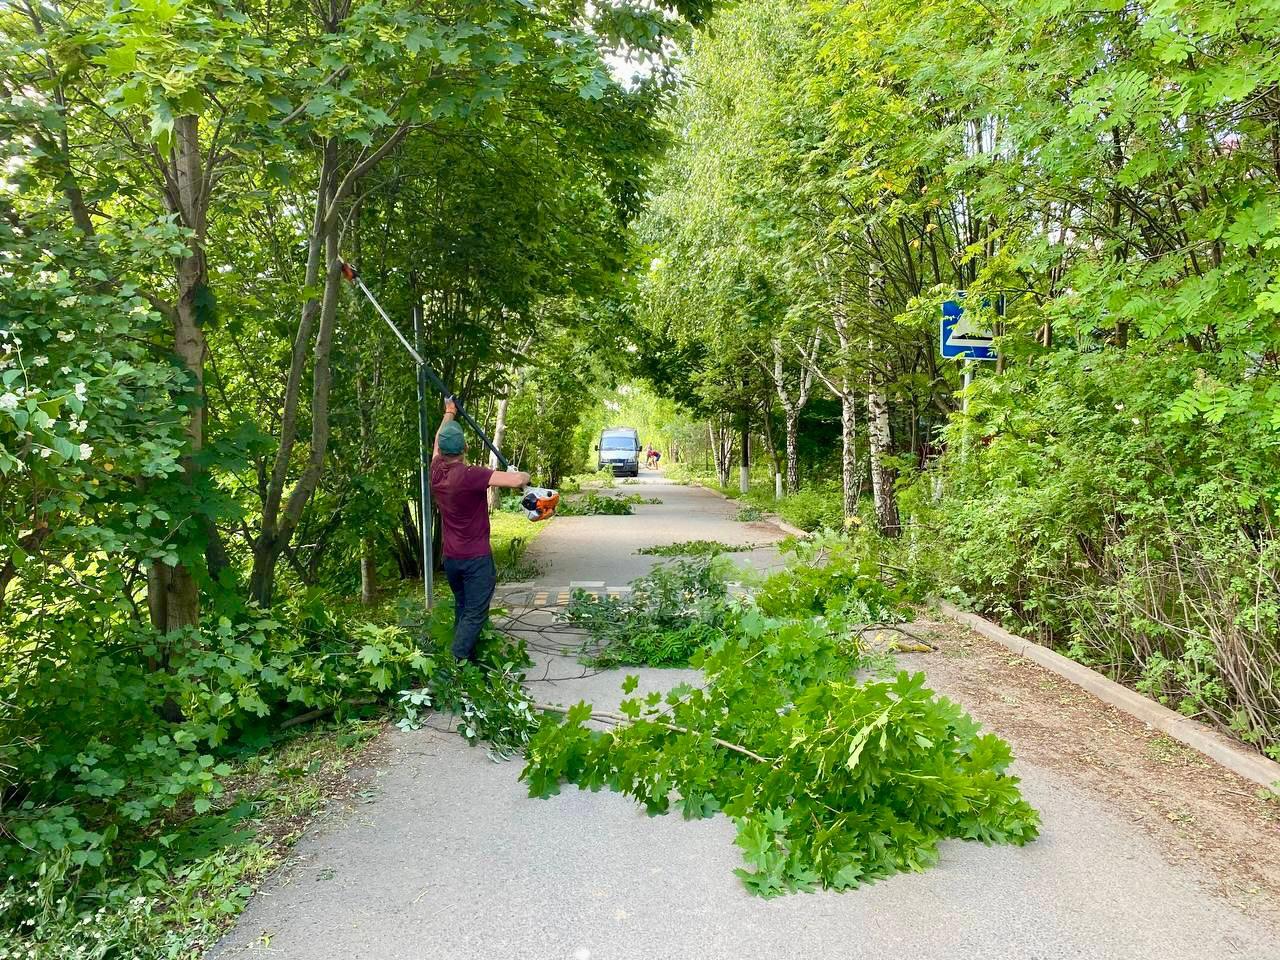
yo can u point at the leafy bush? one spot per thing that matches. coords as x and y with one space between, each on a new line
161 909
750 514
672 612
98 767
813 508
834 578
831 782
115 816
1080 508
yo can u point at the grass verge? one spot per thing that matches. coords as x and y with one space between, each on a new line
181 903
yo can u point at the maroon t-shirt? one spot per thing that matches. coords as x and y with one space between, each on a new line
460 493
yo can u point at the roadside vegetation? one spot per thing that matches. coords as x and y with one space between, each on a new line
209 441
1099 192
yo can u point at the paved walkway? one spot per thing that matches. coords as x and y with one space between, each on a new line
452 860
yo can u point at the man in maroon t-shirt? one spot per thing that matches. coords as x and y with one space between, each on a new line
460 494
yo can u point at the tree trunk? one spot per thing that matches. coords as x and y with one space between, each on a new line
793 404
744 469
775 456
882 475
721 449
878 433
368 572
173 597
406 544
280 517
792 423
848 449
499 434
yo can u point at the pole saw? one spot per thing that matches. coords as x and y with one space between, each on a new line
539 503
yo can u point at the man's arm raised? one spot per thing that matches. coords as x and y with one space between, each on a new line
508 479
450 411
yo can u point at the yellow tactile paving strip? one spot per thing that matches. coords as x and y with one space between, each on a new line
528 597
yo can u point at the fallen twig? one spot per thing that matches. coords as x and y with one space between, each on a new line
325 711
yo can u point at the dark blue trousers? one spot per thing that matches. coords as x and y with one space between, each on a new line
472 582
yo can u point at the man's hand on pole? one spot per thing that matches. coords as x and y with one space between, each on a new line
450 412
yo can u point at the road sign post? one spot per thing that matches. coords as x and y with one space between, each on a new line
965 335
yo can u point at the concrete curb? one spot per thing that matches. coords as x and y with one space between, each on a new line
772 518
1198 736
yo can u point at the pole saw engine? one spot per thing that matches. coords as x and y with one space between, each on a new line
539 503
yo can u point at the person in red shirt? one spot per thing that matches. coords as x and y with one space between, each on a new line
460 494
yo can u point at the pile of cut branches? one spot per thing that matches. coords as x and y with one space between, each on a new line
832 781
596 505
694 548
672 612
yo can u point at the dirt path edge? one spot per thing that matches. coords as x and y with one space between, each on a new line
1194 734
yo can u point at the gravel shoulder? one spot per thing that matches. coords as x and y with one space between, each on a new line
1198 813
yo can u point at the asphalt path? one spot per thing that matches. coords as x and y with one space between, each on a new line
451 860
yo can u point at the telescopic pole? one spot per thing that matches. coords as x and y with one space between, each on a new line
427 372
424 467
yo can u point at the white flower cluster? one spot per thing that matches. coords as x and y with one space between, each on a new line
59 925
14 396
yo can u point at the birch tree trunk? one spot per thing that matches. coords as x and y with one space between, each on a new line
850 481
499 434
881 441
792 425
882 475
841 378
794 402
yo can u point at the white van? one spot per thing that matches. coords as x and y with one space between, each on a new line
619 450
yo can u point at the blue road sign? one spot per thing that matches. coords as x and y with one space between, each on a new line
962 338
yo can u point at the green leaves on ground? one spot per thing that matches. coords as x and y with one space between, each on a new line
694 548
850 781
835 578
669 614
602 505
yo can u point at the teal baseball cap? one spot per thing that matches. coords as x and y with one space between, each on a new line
451 439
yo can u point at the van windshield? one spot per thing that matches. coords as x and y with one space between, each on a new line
618 443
